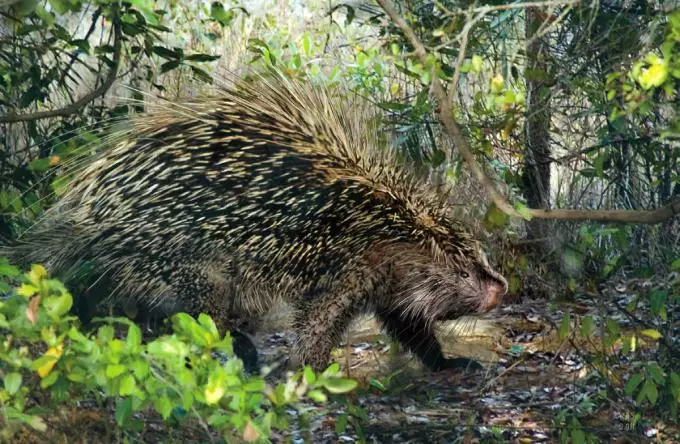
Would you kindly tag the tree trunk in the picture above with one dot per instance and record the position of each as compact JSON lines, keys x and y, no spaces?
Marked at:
{"x":536,"y":169}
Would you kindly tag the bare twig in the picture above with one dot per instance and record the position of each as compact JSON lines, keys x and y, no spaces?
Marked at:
{"x":83,"y":101}
{"x":452,"y":129}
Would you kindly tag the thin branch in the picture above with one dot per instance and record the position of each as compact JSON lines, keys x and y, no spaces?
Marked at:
{"x":452,"y":129}
{"x":83,"y":101}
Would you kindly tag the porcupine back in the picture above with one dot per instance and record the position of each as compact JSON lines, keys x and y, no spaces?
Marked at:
{"x":276,"y":182}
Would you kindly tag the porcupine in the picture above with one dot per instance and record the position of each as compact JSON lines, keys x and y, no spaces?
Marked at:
{"x":268,"y":190}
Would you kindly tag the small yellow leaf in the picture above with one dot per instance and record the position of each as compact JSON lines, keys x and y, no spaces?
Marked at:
{"x":651,"y":333}
{"x":27,"y":290}
{"x":213,"y":393}
{"x":52,"y":351}
{"x":655,"y":75}
{"x":497,"y":83}
{"x":37,"y":273}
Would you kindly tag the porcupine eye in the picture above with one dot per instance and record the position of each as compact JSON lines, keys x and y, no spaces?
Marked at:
{"x":464,"y":274}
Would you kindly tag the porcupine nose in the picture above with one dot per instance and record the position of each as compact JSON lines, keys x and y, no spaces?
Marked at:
{"x":494,"y":293}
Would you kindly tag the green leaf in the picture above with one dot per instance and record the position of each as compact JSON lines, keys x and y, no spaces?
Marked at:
{"x":140,"y":368}
{"x":209,"y":326}
{"x":649,"y":391}
{"x":39,"y":164}
{"x":339,"y":385}
{"x":332,"y":370}
{"x":169,"y":66}
{"x":163,"y":405}
{"x":50,"y":379}
{"x":523,"y":210}
{"x":12,"y":382}
{"x":186,"y":325}
{"x":218,"y":13}
{"x":59,"y":6}
{"x":114,"y":370}
{"x":123,"y":411}
{"x":675,"y":266}
{"x":254,"y":385}
{"x":377,"y":384}
{"x":4,"y":200}
{"x":27,"y":290}
{"x":309,"y":375}
{"x":632,"y":384}
{"x":57,"y":306}
{"x":146,"y":11}
{"x":167,"y":53}
{"x":127,"y":385}
{"x":201,"y":74}
{"x":201,"y":57}
{"x":8,"y":270}
{"x":317,"y":396}
{"x":656,"y":373}
{"x":46,"y":16}
{"x":341,"y":423}
{"x":24,"y":8}
{"x":657,"y":299}
{"x":214,"y":390}
{"x":306,"y":45}
{"x":133,"y":341}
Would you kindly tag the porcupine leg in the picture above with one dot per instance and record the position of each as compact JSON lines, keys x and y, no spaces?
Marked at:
{"x":206,"y":289}
{"x":319,"y":326}
{"x":420,"y":339}
{"x":321,"y":317}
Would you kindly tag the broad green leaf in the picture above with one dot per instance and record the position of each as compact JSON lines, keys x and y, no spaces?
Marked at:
{"x":8,"y":270}
{"x":317,"y":396}
{"x":133,"y":341}
{"x":339,"y":385}
{"x":127,"y":385}
{"x":656,"y":373}
{"x":123,"y":411}
{"x":649,"y":391}
{"x":163,"y":405}
{"x":214,"y":390}
{"x":632,"y":384}
{"x":254,"y":385}
{"x":115,"y":370}
{"x":309,"y":375}
{"x":12,"y":382}
{"x":49,"y":379}
{"x":57,"y":306}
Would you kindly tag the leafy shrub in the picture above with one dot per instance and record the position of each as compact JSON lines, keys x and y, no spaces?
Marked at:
{"x":179,"y":375}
